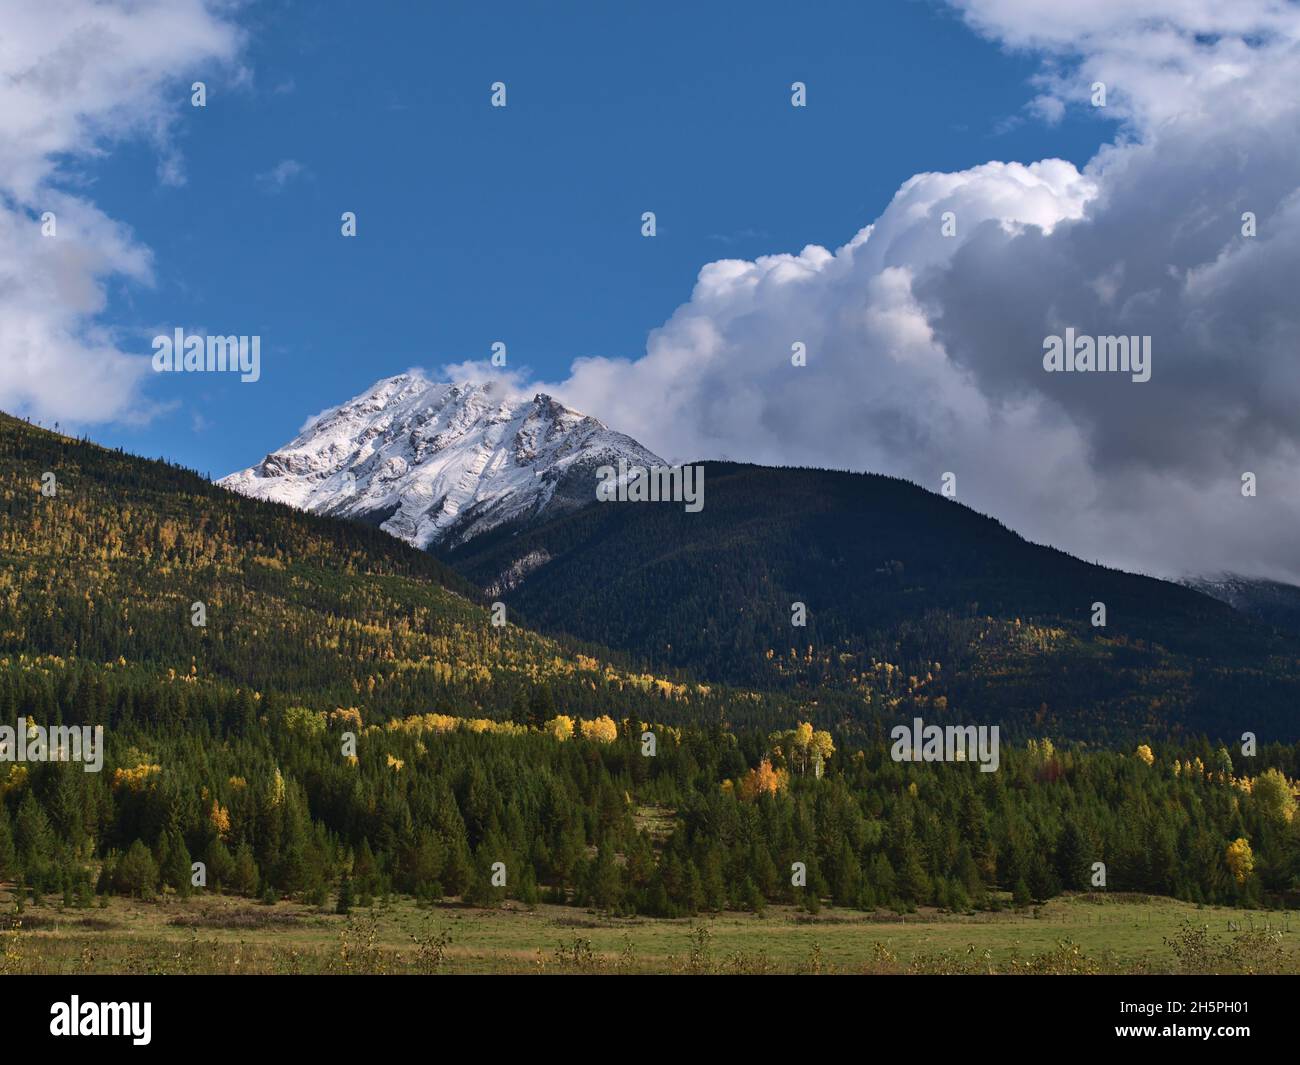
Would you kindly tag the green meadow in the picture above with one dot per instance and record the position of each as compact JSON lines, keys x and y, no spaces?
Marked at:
{"x":1073,"y":934}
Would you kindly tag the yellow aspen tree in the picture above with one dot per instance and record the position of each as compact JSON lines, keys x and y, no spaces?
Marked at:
{"x":1241,"y":859}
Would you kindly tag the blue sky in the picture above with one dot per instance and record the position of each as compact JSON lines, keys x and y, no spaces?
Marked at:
{"x":521,"y":224}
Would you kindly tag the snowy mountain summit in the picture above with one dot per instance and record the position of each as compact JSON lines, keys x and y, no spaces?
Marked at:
{"x":436,"y":463}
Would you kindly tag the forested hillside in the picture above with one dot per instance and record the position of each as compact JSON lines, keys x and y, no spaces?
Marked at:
{"x":109,"y":569}
{"x":914,"y":603}
{"x":348,"y":723}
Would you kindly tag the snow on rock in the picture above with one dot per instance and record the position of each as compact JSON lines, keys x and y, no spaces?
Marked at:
{"x":434,"y":463}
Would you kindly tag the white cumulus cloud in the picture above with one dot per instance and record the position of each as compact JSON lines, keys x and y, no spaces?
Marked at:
{"x":925,"y":351}
{"x":76,"y":76}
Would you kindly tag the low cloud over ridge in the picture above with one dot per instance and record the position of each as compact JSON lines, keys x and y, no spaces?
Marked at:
{"x":925,"y":351}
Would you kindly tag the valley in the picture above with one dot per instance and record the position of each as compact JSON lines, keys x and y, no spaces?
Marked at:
{"x":348,"y":734}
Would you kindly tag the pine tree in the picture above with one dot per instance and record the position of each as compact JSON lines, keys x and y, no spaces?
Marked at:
{"x":1020,"y":893}
{"x":221,"y":865}
{"x":1042,"y":878}
{"x":541,"y":705}
{"x":712,"y":881}
{"x":605,"y":885}
{"x":246,"y":878}
{"x":8,"y":855}
{"x":175,"y":865}
{"x":34,"y":840}
{"x":848,"y":876}
{"x":137,"y":873}
{"x":1072,"y":858}
{"x":365,"y":872}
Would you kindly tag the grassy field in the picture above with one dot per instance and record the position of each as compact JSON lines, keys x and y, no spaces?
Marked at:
{"x":1078,"y":934}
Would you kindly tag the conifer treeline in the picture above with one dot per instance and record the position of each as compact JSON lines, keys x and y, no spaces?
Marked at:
{"x":267,"y":797}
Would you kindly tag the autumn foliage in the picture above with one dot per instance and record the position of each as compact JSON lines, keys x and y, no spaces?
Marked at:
{"x":763,"y":781}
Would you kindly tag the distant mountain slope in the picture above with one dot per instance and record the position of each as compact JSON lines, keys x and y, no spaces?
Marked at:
{"x":910,"y":597}
{"x":1271,"y":602}
{"x":440,"y":463}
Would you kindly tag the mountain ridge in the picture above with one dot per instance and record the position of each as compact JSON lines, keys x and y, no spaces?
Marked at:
{"x":894,"y":580}
{"x":1272,"y":602}
{"x":440,"y":463}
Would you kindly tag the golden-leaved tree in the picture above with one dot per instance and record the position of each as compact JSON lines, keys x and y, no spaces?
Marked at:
{"x":763,"y":781}
{"x":1241,"y":859}
{"x":803,"y":748}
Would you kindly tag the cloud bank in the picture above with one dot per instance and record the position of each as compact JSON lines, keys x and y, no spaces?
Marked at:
{"x":924,"y":351}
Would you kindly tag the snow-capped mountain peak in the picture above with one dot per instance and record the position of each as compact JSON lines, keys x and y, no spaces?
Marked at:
{"x":437,"y":463}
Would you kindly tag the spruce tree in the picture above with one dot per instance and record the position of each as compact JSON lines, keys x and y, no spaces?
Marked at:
{"x":245,"y":879}
{"x":175,"y":864}
{"x":35,"y":843}
{"x":8,"y":855}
